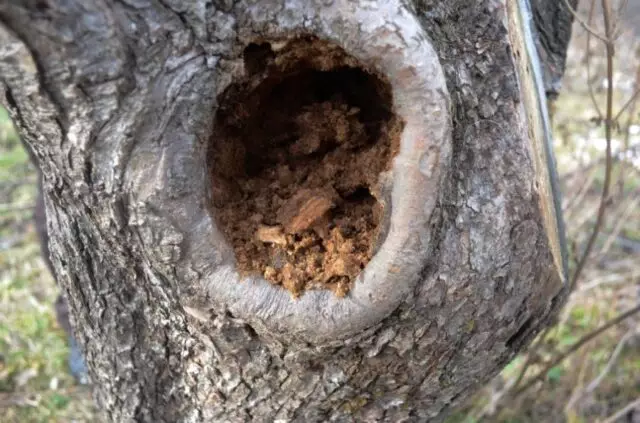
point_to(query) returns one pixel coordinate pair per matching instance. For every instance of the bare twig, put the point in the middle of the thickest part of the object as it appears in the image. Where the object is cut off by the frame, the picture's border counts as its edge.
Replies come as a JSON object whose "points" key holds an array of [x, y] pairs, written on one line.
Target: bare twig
{"points": [[608, 129], [629, 102], [576, 223], [494, 403], [7, 243], [576, 200], [624, 410], [12, 208], [12, 184], [531, 355], [627, 131], [593, 385], [610, 279], [573, 348], [595, 163], [588, 60], [622, 6], [620, 223], [578, 384], [628, 244], [498, 400], [612, 360], [583, 23]]}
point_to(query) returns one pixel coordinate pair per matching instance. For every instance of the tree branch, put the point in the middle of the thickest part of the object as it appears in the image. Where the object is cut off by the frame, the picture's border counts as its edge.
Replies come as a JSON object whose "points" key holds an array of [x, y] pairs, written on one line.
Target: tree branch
{"points": [[585, 339], [608, 132]]}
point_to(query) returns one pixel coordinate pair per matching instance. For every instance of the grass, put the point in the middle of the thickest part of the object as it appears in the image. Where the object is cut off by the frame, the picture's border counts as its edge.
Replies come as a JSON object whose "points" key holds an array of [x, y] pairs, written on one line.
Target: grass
{"points": [[35, 384]]}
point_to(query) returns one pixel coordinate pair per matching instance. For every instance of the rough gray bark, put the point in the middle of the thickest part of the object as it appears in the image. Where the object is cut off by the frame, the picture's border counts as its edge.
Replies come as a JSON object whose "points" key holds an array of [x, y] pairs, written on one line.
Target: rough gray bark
{"points": [[553, 30], [117, 101]]}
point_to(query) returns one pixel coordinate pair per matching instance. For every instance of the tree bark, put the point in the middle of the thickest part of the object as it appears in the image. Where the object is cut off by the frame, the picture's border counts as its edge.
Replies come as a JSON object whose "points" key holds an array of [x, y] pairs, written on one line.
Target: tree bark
{"points": [[118, 99]]}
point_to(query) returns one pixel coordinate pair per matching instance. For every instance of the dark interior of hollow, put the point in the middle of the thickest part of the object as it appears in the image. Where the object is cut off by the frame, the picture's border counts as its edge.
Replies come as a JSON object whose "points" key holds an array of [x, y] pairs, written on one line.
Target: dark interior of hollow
{"points": [[294, 159]]}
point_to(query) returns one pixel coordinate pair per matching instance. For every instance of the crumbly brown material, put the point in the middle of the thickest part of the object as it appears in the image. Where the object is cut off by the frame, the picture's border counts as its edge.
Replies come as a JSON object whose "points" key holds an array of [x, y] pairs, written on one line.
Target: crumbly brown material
{"points": [[294, 164]]}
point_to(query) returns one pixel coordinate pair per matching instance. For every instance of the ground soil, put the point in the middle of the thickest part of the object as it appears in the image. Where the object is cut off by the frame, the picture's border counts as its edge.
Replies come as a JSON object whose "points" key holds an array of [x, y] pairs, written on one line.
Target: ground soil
{"points": [[295, 160]]}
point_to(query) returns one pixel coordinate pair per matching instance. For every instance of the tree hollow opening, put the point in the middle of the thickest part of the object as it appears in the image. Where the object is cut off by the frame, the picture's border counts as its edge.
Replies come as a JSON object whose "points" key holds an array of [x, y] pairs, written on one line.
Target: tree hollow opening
{"points": [[295, 157]]}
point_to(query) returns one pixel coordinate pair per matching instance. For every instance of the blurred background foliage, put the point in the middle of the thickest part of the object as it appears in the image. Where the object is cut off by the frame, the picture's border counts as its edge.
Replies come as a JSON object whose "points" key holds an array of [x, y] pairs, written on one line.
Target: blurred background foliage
{"points": [[598, 382]]}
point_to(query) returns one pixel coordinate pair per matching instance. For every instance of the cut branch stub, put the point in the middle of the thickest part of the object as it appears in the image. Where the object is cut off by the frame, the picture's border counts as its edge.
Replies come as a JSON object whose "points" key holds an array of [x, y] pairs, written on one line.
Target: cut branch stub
{"points": [[326, 160]]}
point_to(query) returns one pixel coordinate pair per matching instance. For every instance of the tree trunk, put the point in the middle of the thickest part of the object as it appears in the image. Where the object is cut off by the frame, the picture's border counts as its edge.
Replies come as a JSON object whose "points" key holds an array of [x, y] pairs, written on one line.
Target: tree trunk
{"points": [[136, 110]]}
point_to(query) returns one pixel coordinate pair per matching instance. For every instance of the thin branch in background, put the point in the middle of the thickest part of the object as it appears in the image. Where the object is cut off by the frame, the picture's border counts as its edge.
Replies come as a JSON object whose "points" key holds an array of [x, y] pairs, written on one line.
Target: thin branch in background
{"points": [[10, 242], [584, 24], [499, 399], [623, 411], [577, 222], [573, 253], [628, 244], [575, 347], [11, 184], [610, 279], [620, 223], [532, 354], [604, 199], [627, 131], [19, 399], [592, 94], [629, 102], [617, 30], [577, 173], [622, 7], [575, 201], [612, 360], [578, 384], [593, 385], [512, 392], [495, 402], [13, 208]]}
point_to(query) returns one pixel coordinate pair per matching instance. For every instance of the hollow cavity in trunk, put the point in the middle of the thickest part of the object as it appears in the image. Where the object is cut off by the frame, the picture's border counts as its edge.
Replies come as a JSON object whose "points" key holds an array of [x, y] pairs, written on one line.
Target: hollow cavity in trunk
{"points": [[295, 157]]}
